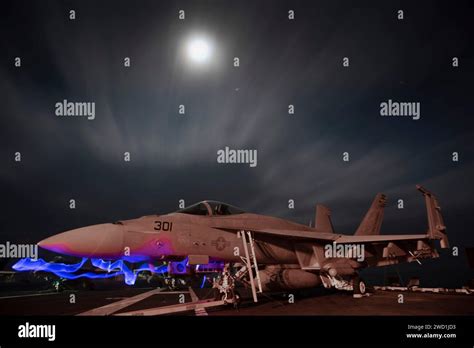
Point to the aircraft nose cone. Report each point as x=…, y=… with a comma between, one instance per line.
x=104, y=240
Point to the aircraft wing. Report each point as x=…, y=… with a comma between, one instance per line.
x=297, y=234
x=340, y=238
x=380, y=238
x=380, y=250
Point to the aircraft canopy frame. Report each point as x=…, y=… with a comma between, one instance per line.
x=211, y=208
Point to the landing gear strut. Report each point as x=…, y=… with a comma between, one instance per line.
x=225, y=288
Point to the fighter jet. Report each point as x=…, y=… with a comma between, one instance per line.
x=268, y=253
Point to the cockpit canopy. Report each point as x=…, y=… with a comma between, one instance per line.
x=211, y=208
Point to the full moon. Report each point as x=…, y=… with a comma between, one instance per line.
x=199, y=50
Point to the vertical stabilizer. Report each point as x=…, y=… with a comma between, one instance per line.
x=323, y=219
x=372, y=221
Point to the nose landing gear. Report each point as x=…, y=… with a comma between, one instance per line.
x=224, y=287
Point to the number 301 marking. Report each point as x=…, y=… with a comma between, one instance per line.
x=163, y=226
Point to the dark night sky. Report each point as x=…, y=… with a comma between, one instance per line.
x=282, y=62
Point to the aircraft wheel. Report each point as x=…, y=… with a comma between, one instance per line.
x=360, y=288
x=233, y=297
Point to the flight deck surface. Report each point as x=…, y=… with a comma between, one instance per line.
x=115, y=302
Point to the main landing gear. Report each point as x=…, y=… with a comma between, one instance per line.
x=348, y=283
x=359, y=287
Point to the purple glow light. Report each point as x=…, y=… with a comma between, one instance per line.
x=62, y=270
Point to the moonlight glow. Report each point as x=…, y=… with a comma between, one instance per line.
x=199, y=50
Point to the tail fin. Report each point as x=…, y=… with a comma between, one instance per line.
x=436, y=227
x=323, y=219
x=372, y=221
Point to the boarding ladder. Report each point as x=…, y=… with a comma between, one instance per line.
x=250, y=261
